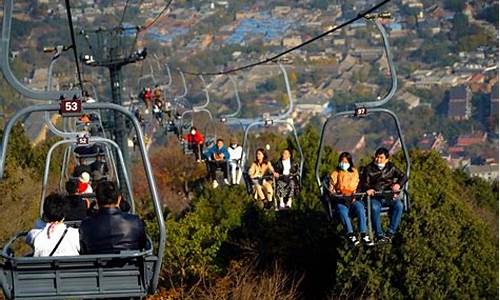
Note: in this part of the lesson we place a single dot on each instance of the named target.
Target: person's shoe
(366, 240)
(226, 182)
(289, 203)
(282, 204)
(215, 184)
(384, 239)
(353, 239)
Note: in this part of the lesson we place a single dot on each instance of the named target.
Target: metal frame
(405, 199)
(263, 123)
(392, 69)
(91, 140)
(5, 65)
(147, 164)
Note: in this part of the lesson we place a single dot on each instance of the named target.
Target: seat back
(87, 276)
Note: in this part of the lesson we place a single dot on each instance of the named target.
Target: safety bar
(147, 164)
(7, 71)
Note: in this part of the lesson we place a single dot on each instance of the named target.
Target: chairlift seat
(125, 274)
(88, 151)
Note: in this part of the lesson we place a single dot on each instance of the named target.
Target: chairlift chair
(322, 179)
(125, 274)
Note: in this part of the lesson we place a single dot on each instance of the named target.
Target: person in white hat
(84, 186)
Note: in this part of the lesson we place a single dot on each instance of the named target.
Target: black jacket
(278, 167)
(111, 231)
(75, 209)
(381, 180)
(80, 169)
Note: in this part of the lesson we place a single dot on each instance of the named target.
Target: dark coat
(75, 208)
(111, 231)
(381, 180)
(278, 167)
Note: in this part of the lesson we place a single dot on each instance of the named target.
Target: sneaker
(366, 240)
(353, 239)
(226, 182)
(215, 184)
(289, 203)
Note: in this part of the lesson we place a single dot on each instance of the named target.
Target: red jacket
(197, 138)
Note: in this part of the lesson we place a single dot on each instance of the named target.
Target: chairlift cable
(146, 27)
(72, 33)
(275, 57)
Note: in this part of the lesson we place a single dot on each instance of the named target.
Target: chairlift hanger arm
(392, 70)
(238, 100)
(7, 71)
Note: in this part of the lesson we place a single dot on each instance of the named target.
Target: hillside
(220, 246)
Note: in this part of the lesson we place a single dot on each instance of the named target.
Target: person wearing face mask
(344, 182)
(195, 141)
(235, 155)
(382, 175)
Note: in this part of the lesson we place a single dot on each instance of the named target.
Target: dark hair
(193, 128)
(106, 193)
(53, 208)
(264, 160)
(348, 156)
(289, 151)
(71, 187)
(219, 140)
(383, 151)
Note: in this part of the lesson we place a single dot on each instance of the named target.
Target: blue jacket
(214, 150)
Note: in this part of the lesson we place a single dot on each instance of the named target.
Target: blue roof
(269, 29)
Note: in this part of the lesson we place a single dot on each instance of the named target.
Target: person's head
(286, 154)
(220, 143)
(53, 208)
(261, 155)
(84, 177)
(233, 143)
(345, 162)
(193, 130)
(381, 157)
(72, 187)
(107, 194)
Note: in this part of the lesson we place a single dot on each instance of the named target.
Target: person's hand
(370, 192)
(395, 187)
(276, 174)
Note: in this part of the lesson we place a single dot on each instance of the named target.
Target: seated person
(55, 238)
(286, 171)
(344, 181)
(263, 187)
(98, 169)
(75, 207)
(84, 186)
(217, 158)
(158, 110)
(111, 230)
(195, 140)
(82, 167)
(235, 155)
(382, 175)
